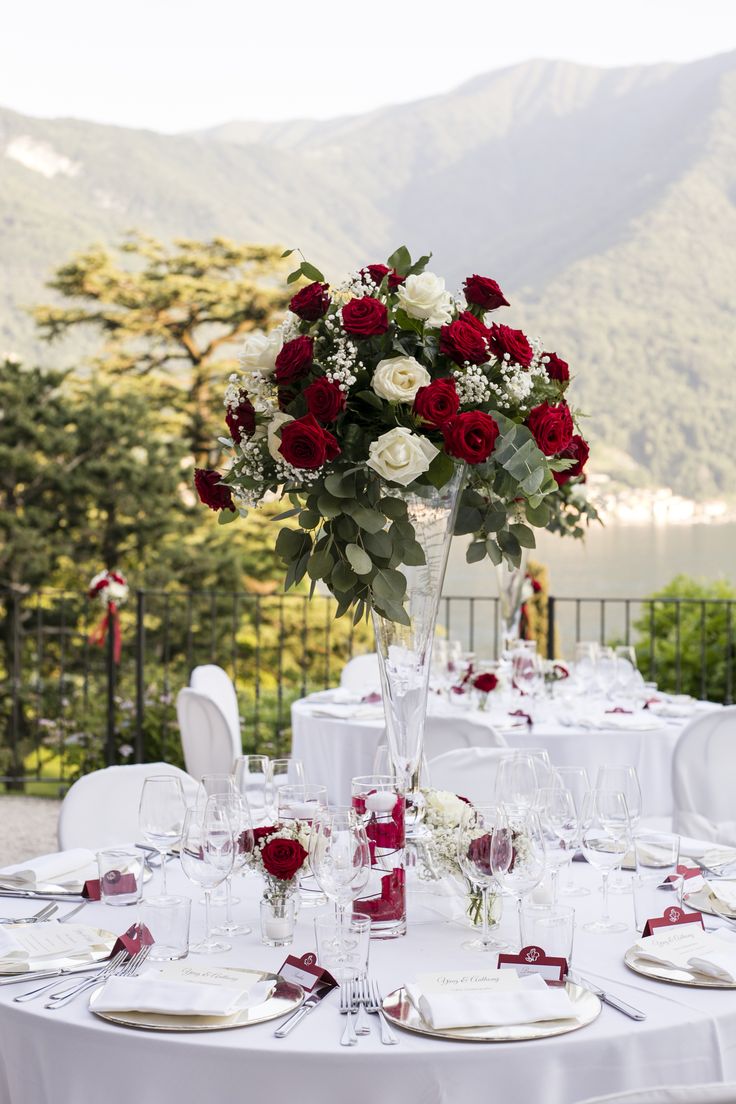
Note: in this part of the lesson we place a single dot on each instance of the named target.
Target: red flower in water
(294, 360)
(557, 368)
(437, 402)
(479, 853)
(365, 317)
(311, 302)
(484, 292)
(211, 491)
(471, 436)
(504, 340)
(464, 340)
(485, 682)
(324, 399)
(305, 444)
(283, 858)
(242, 420)
(378, 273)
(578, 451)
(552, 427)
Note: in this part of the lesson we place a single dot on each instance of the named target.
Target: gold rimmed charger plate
(284, 997)
(672, 975)
(703, 901)
(402, 1013)
(66, 962)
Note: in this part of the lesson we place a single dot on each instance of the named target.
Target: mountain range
(603, 201)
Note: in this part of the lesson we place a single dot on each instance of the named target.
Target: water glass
(278, 919)
(483, 850)
(625, 779)
(249, 776)
(343, 944)
(606, 838)
(167, 919)
(528, 855)
(339, 855)
(207, 854)
(161, 815)
(559, 823)
(300, 802)
(281, 772)
(516, 781)
(551, 927)
(656, 882)
(121, 875)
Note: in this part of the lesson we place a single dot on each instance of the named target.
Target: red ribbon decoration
(110, 622)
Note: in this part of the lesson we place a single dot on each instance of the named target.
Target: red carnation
(211, 491)
(324, 399)
(471, 436)
(294, 360)
(378, 273)
(305, 444)
(365, 317)
(283, 858)
(242, 420)
(504, 340)
(311, 302)
(484, 292)
(557, 369)
(551, 427)
(437, 402)
(578, 451)
(463, 341)
(485, 682)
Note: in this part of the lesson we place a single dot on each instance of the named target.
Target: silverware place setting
(43, 914)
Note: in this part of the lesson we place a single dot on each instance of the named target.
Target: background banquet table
(336, 749)
(71, 1057)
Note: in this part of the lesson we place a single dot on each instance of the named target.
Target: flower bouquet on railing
(279, 854)
(110, 589)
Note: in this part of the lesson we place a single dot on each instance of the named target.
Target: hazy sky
(178, 64)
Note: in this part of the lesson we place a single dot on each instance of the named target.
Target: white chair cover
(361, 673)
(444, 733)
(470, 772)
(672, 1094)
(101, 808)
(211, 680)
(207, 739)
(704, 778)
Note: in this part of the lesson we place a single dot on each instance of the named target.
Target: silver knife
(303, 1011)
(34, 895)
(607, 998)
(41, 975)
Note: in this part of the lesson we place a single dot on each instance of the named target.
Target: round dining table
(70, 1056)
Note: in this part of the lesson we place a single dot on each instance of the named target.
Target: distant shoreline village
(654, 505)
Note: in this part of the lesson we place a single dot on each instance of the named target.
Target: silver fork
(105, 972)
(43, 914)
(375, 1004)
(348, 1037)
(360, 1000)
(127, 968)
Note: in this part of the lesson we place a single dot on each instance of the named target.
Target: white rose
(273, 436)
(260, 351)
(399, 379)
(401, 455)
(424, 297)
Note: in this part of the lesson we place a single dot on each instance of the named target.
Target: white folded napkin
(499, 1000)
(690, 948)
(724, 893)
(70, 869)
(346, 712)
(153, 993)
(23, 944)
(337, 695)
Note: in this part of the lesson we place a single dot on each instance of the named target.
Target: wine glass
(628, 678)
(576, 780)
(586, 657)
(544, 772)
(606, 671)
(516, 781)
(161, 815)
(207, 854)
(339, 856)
(281, 772)
(212, 784)
(559, 823)
(249, 778)
(606, 838)
(626, 780)
(300, 802)
(528, 859)
(527, 672)
(236, 808)
(483, 848)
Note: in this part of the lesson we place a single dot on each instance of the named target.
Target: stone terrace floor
(27, 827)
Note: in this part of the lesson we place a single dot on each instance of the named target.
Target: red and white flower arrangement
(110, 589)
(279, 854)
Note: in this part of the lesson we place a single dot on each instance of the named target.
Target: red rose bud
(365, 317)
(283, 858)
(437, 402)
(311, 302)
(462, 341)
(211, 491)
(471, 320)
(483, 292)
(378, 273)
(578, 451)
(486, 682)
(504, 340)
(241, 421)
(305, 444)
(557, 369)
(324, 399)
(551, 427)
(294, 360)
(471, 436)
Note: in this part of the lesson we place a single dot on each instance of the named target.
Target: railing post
(140, 692)
(111, 679)
(550, 627)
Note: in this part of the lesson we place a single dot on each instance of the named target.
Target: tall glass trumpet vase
(510, 595)
(405, 651)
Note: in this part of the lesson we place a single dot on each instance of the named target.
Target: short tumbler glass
(343, 943)
(167, 919)
(551, 927)
(121, 875)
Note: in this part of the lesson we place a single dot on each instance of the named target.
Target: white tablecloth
(335, 750)
(71, 1057)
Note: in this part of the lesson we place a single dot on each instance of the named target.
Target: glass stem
(484, 905)
(228, 903)
(604, 916)
(207, 920)
(162, 856)
(518, 919)
(554, 877)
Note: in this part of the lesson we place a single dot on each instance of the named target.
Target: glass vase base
(210, 946)
(392, 932)
(604, 927)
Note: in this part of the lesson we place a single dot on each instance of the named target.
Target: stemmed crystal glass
(211, 785)
(528, 860)
(559, 823)
(483, 849)
(281, 772)
(236, 808)
(207, 855)
(606, 838)
(161, 815)
(516, 781)
(249, 778)
(339, 856)
(626, 780)
(577, 782)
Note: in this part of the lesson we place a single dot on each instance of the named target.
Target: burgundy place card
(133, 940)
(306, 971)
(124, 883)
(533, 960)
(670, 917)
(684, 872)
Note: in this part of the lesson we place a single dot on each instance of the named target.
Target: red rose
(283, 858)
(285, 397)
(471, 436)
(437, 402)
(264, 831)
(463, 341)
(311, 302)
(294, 360)
(305, 444)
(578, 451)
(484, 292)
(505, 340)
(242, 420)
(557, 369)
(378, 273)
(211, 491)
(479, 853)
(324, 399)
(365, 317)
(486, 682)
(551, 426)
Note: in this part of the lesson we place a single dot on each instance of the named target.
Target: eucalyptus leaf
(523, 534)
(379, 544)
(359, 560)
(476, 551)
(311, 272)
(320, 565)
(393, 508)
(440, 470)
(225, 517)
(495, 555)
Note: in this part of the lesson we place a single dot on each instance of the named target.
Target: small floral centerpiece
(279, 854)
(110, 589)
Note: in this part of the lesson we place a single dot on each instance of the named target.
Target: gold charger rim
(514, 1033)
(65, 962)
(288, 995)
(707, 903)
(672, 975)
